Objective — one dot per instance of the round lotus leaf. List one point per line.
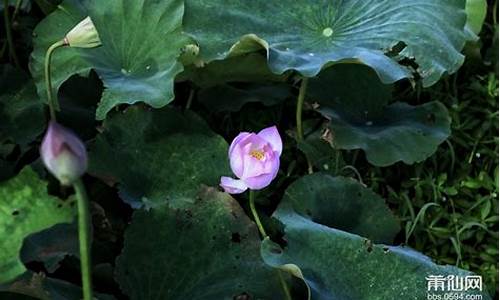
(158, 156)
(306, 35)
(344, 204)
(137, 62)
(209, 250)
(357, 106)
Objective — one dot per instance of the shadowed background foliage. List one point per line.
(404, 164)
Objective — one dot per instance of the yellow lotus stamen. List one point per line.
(258, 154)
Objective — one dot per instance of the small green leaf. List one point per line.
(356, 104)
(26, 208)
(202, 251)
(137, 61)
(476, 13)
(158, 156)
(306, 35)
(485, 209)
(451, 191)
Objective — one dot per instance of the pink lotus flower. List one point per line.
(254, 159)
(63, 153)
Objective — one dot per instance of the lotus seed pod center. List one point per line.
(327, 32)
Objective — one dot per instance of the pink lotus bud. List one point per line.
(254, 159)
(63, 153)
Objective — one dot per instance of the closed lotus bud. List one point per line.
(83, 35)
(63, 153)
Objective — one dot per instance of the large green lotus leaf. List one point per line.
(251, 67)
(344, 204)
(137, 61)
(355, 102)
(206, 250)
(26, 208)
(21, 112)
(305, 35)
(340, 265)
(158, 156)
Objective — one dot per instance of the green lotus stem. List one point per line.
(284, 286)
(190, 99)
(309, 166)
(300, 104)
(262, 231)
(53, 104)
(256, 215)
(84, 238)
(8, 32)
(16, 9)
(494, 10)
(298, 116)
(3, 48)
